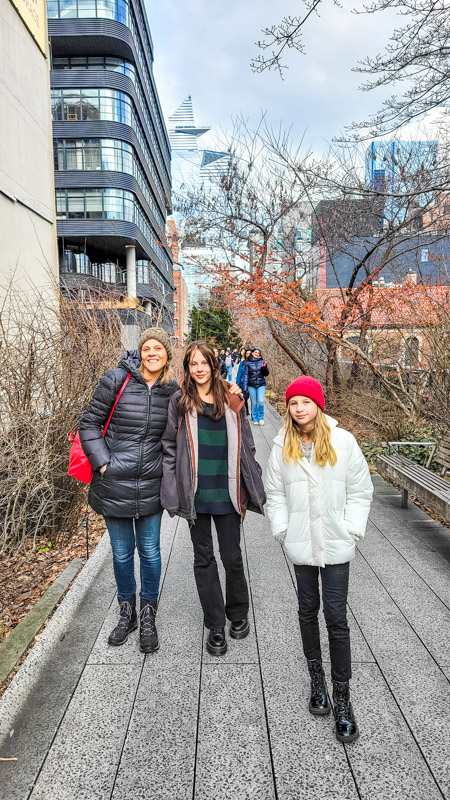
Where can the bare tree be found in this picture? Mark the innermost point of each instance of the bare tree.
(417, 55)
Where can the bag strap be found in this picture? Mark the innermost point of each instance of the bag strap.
(117, 400)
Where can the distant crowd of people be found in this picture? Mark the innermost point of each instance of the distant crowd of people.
(251, 376)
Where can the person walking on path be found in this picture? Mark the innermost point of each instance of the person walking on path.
(240, 376)
(127, 464)
(255, 374)
(210, 472)
(229, 365)
(319, 492)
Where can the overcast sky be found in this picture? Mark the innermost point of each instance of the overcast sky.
(203, 48)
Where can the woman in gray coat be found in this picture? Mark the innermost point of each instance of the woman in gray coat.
(210, 472)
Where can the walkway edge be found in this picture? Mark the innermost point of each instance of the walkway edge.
(13, 648)
(17, 693)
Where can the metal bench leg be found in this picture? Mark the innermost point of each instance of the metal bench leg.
(404, 498)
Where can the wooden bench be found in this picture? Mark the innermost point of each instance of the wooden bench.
(433, 490)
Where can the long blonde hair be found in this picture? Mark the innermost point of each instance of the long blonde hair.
(323, 449)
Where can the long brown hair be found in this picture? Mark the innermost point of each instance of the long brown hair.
(323, 449)
(218, 388)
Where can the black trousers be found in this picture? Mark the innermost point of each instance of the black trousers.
(228, 527)
(334, 579)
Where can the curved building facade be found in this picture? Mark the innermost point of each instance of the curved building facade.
(111, 149)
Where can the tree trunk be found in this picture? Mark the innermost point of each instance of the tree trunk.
(287, 349)
(329, 380)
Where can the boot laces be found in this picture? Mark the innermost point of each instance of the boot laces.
(125, 614)
(147, 618)
(341, 702)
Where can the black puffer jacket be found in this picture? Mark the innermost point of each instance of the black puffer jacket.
(254, 373)
(131, 448)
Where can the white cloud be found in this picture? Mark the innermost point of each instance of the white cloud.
(204, 49)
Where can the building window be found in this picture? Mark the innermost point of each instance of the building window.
(109, 155)
(111, 105)
(424, 255)
(88, 9)
(111, 204)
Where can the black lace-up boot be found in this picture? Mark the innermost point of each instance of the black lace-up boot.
(318, 702)
(346, 727)
(148, 634)
(127, 621)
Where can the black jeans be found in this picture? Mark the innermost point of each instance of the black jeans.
(228, 527)
(334, 596)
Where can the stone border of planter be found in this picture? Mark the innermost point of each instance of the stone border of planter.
(17, 692)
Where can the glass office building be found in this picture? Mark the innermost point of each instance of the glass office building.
(394, 167)
(111, 148)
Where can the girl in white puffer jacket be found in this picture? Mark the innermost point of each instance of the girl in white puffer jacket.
(319, 491)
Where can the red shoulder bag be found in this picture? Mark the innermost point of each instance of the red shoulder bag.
(79, 464)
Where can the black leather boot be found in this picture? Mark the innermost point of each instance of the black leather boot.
(319, 703)
(127, 621)
(239, 629)
(346, 727)
(148, 635)
(216, 644)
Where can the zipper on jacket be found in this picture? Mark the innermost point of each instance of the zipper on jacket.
(141, 449)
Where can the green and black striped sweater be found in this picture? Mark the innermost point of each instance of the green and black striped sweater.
(212, 496)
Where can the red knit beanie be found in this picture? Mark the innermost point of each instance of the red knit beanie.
(306, 387)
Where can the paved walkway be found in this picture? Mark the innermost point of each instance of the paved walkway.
(103, 723)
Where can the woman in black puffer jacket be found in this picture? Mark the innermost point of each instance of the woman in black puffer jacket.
(127, 466)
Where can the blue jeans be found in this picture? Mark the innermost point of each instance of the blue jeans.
(230, 373)
(126, 534)
(257, 396)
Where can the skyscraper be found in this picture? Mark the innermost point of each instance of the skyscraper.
(392, 167)
(193, 169)
(111, 149)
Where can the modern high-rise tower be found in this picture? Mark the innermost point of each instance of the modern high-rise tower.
(193, 169)
(111, 149)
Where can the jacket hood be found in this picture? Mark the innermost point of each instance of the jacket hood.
(279, 438)
(131, 362)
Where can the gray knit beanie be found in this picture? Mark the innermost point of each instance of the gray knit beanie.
(160, 335)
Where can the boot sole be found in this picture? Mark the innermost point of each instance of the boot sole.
(320, 712)
(119, 644)
(240, 634)
(217, 651)
(347, 739)
(149, 650)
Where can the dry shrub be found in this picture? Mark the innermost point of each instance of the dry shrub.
(52, 354)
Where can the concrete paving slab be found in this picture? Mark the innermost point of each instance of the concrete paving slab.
(83, 759)
(158, 759)
(33, 706)
(386, 760)
(233, 756)
(426, 613)
(413, 686)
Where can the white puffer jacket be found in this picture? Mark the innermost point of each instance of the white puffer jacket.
(322, 510)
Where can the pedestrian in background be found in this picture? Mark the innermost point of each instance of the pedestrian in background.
(210, 473)
(255, 373)
(229, 364)
(240, 377)
(127, 465)
(319, 492)
(221, 362)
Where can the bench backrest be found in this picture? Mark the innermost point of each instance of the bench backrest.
(442, 454)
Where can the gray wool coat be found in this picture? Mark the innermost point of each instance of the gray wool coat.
(180, 458)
